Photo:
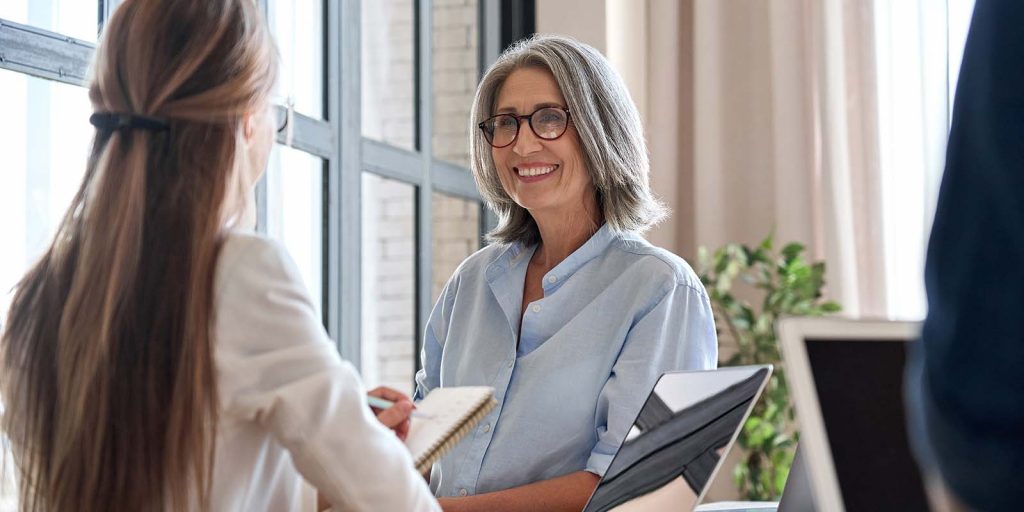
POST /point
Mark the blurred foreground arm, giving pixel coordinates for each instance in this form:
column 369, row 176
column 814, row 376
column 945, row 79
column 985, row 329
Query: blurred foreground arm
column 966, row 379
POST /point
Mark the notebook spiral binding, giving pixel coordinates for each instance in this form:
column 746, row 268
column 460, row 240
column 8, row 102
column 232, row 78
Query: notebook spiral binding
column 437, row 450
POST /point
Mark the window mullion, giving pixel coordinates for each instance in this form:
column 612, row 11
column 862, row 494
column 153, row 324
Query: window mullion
column 424, row 202
column 345, row 178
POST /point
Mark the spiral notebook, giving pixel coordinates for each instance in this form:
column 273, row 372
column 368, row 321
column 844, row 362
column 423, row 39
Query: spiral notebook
column 446, row 416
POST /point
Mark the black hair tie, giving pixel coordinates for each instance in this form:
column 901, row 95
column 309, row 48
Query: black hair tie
column 115, row 121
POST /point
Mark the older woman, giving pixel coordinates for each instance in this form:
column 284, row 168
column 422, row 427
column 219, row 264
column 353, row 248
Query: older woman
column 570, row 315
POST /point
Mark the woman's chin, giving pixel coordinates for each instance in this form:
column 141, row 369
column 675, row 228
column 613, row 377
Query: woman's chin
column 552, row 209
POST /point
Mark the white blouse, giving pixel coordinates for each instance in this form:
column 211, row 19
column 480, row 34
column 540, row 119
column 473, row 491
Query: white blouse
column 292, row 411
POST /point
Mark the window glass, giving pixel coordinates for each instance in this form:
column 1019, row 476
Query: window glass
column 45, row 140
column 388, row 283
column 389, row 72
column 456, row 226
column 295, row 212
column 455, row 71
column 75, row 18
column 298, row 28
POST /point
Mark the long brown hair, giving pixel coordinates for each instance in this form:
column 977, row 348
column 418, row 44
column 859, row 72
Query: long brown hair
column 106, row 367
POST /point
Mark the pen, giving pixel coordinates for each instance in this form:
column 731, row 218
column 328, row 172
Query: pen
column 381, row 403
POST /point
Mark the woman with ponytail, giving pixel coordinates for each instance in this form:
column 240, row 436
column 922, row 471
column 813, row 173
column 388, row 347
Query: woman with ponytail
column 158, row 357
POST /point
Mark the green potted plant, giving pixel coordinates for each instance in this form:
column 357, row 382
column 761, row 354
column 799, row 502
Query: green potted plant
column 781, row 283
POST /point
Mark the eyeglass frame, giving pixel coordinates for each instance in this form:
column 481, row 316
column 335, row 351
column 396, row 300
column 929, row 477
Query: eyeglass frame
column 519, row 125
column 284, row 125
column 288, row 105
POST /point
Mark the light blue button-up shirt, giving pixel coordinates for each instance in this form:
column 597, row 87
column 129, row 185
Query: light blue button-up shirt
column 616, row 314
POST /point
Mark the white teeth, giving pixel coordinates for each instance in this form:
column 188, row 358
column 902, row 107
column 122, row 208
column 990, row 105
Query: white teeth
column 535, row 171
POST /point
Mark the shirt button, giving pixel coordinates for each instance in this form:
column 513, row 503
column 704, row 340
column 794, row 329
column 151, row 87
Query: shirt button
column 463, row 492
column 511, row 364
column 552, row 279
column 487, row 427
column 536, row 308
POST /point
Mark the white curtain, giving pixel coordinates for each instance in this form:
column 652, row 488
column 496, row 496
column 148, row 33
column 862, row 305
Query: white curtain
column 825, row 120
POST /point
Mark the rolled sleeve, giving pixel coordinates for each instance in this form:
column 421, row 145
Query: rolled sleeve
column 429, row 375
column 677, row 333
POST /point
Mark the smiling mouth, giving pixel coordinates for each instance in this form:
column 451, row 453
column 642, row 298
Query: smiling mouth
column 534, row 171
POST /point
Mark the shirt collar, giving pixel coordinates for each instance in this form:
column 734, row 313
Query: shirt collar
column 592, row 248
column 513, row 255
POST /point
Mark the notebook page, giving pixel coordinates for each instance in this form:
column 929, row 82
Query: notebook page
column 447, row 410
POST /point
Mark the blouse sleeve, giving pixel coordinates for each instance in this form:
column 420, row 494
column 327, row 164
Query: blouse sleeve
column 676, row 333
column 429, row 375
column 276, row 366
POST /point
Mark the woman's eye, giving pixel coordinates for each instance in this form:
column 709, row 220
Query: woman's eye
column 550, row 118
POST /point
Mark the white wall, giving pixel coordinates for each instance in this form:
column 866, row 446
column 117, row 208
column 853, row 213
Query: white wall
column 579, row 19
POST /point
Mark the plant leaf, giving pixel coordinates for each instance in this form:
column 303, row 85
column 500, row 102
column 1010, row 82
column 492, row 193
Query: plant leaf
column 830, row 307
column 792, row 251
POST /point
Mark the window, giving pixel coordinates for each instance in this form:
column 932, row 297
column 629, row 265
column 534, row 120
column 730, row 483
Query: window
column 294, row 212
column 75, row 18
column 45, row 140
column 298, row 30
column 389, row 282
column 456, row 226
column 456, row 59
column 420, row 63
column 388, row 72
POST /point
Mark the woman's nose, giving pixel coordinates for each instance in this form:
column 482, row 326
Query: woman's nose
column 526, row 142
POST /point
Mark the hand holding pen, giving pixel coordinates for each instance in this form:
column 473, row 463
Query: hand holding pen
column 393, row 408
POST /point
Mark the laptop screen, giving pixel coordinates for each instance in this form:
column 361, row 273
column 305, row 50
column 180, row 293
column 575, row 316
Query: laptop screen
column 679, row 439
column 860, row 391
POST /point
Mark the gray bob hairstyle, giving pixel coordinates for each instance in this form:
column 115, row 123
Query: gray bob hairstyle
column 610, row 134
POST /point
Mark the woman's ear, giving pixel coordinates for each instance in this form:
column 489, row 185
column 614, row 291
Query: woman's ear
column 248, row 127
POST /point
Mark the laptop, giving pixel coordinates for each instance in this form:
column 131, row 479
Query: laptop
column 797, row 495
column 682, row 433
column 846, row 380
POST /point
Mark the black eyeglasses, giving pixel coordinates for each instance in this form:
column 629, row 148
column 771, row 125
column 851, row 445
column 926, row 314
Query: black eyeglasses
column 548, row 123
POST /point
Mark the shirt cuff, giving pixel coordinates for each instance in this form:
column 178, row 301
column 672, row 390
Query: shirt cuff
column 599, row 460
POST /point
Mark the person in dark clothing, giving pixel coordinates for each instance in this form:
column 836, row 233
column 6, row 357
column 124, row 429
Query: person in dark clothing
column 965, row 381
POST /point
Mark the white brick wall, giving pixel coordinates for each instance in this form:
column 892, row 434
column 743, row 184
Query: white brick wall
column 387, row 71
column 455, row 73
column 456, row 233
column 388, row 283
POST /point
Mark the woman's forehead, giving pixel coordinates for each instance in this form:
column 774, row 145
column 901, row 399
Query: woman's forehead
column 527, row 89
